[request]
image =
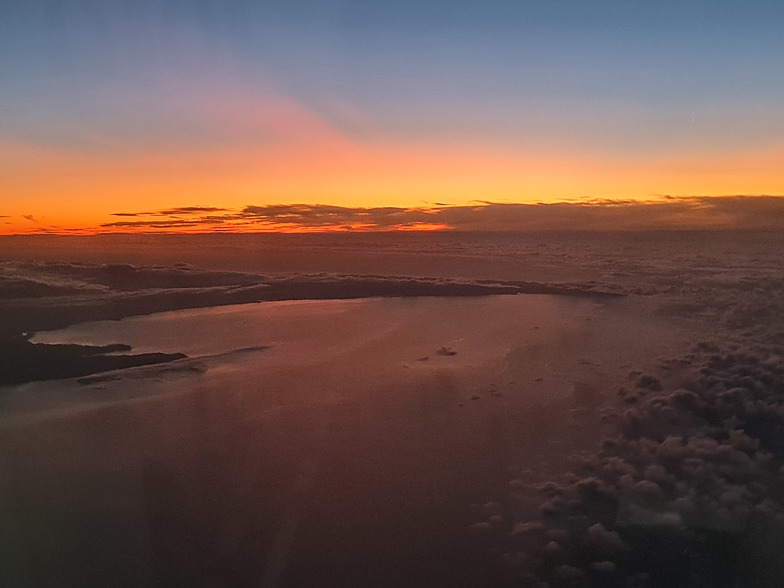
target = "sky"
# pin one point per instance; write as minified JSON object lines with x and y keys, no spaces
{"x":208,"y":109}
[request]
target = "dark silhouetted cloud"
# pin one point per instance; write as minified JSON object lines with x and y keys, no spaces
{"x":320,"y":215}
{"x":665,"y":213}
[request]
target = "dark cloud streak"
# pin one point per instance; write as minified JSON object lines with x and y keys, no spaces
{"x":178,"y":211}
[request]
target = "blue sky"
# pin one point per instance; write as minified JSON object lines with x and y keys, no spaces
{"x":581,"y":71}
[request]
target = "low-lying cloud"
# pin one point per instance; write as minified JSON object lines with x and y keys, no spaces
{"x":666,"y":213}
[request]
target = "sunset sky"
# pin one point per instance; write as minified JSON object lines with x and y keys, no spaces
{"x":129,"y":115}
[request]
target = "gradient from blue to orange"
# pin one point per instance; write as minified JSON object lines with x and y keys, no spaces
{"x":133,"y":105}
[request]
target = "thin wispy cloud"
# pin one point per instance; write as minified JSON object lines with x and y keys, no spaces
{"x":179,"y":211}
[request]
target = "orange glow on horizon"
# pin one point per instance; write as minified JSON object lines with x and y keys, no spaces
{"x":78,"y":192}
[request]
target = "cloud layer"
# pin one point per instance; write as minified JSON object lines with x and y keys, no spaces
{"x":48,"y":295}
